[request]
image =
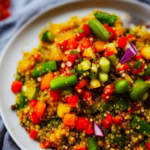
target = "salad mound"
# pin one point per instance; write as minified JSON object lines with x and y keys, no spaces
{"x":86,"y":86}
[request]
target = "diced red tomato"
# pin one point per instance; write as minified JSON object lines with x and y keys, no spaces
{"x":40,"y":108}
{"x":106,"y":123}
{"x":117,"y":120}
{"x":83,"y":148}
{"x":56,"y":95}
{"x":81,"y":84}
{"x":86,"y":29}
{"x":123,"y":67}
{"x":16,"y":86}
{"x":72,"y":44}
{"x":131,"y":37}
{"x":82,"y":123}
{"x":109,"y":89}
{"x":148,"y":146}
{"x":33,"y":102}
{"x":85,"y":44}
{"x":64,"y":45}
{"x":108,"y":52}
{"x":33,"y":133}
{"x":79,"y":36}
{"x":89,"y":130}
{"x":72,"y":57}
{"x":87,"y":95}
{"x":35,"y":119}
{"x":122,"y":42}
{"x":112,"y":32}
{"x":72,"y":100}
{"x":106,"y":97}
{"x":109,"y":117}
{"x":80,"y":91}
{"x":138,"y":56}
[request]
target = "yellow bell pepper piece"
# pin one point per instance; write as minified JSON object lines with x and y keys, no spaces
{"x":95,"y":83}
{"x":62,"y":109}
{"x":145,"y":51}
{"x":128,"y":78}
{"x":88,"y":53}
{"x":112,"y":47}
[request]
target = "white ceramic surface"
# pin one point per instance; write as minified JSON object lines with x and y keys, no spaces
{"x":27,"y":38}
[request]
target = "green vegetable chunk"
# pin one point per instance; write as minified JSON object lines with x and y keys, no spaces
{"x":30,"y":93}
{"x":98,"y":29}
{"x":105,"y":18}
{"x":21,"y":100}
{"x":103,"y":76}
{"x":121,"y":86}
{"x":137,"y":65}
{"x":147,"y":71}
{"x":44,"y":68}
{"x":104,"y":64}
{"x":116,"y":139}
{"x":86,"y":65}
{"x":66,"y":91}
{"x":79,"y":69}
{"x":92,"y":145}
{"x":47,"y":36}
{"x":63,"y":82}
{"x":141,"y":126}
{"x":139,"y":88}
{"x":93,"y":71}
{"x":113,"y":59}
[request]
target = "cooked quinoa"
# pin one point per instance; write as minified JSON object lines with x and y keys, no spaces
{"x":86,"y":86}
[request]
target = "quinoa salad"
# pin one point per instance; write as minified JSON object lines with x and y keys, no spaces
{"x":86,"y":85}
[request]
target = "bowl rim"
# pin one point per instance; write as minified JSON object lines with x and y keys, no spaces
{"x":22,"y":27}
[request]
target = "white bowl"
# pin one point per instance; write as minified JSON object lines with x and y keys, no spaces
{"x":27,"y":38}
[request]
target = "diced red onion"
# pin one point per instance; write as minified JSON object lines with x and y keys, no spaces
{"x":130,"y":52}
{"x":98,"y":131}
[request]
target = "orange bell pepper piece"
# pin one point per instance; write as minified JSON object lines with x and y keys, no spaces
{"x":39,"y":109}
{"x":69,"y":119}
{"x":64,"y":57}
{"x":99,"y":46}
{"x":46,"y":80}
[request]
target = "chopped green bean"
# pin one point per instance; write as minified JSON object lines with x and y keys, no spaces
{"x":63,"y":82}
{"x":98,"y":29}
{"x":44,"y":68}
{"x":47,"y":36}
